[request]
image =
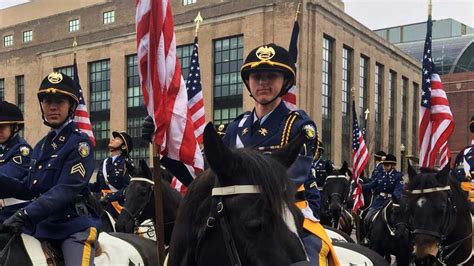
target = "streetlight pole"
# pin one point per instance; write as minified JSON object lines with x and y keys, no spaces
{"x":402,"y":152}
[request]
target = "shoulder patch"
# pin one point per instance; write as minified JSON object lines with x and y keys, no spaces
{"x":24,"y":150}
{"x":84,"y":149}
{"x":309,"y":131}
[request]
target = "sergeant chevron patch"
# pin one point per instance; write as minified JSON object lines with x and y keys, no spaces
{"x":78,"y":168}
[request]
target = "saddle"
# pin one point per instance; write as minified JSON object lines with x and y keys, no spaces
{"x":112,"y":251}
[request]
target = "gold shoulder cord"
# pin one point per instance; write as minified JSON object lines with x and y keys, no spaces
{"x":287,"y":130}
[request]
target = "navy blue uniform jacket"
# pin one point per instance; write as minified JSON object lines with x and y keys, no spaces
{"x":58,"y":177}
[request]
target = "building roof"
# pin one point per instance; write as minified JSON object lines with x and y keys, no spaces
{"x":451,"y":55}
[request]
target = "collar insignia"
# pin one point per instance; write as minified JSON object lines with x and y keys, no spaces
{"x":263,"y":131}
{"x":245,"y":130}
{"x":62,"y":138}
{"x":55,"y":146}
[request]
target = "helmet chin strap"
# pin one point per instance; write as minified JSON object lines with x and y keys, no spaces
{"x":69,"y":116}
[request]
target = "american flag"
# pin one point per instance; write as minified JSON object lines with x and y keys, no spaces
{"x":360,"y":157}
{"x":81,"y":115}
{"x":436,"y":119}
{"x":163,"y":86}
{"x":290,"y":97}
{"x":195,"y":99}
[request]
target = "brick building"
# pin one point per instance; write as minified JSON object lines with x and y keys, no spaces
{"x":336,"y":53}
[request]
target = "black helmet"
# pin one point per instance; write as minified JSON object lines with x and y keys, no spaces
{"x":471,"y":125}
{"x":390,"y":158}
{"x":380,"y":155}
{"x":59,"y":83}
{"x":127,"y":146}
{"x":270,"y":57}
{"x":10,"y":114}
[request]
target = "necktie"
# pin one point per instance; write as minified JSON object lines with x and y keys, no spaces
{"x":255,"y":126}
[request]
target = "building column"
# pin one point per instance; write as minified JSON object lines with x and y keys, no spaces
{"x":118,"y":91}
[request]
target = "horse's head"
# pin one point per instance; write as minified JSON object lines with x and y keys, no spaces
{"x":398,"y":218}
{"x":336,"y":188}
{"x":252,"y":217}
{"x":137,"y":196}
{"x":430,"y":207}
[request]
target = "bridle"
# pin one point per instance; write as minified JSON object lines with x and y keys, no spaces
{"x":445,"y":252}
{"x":219,"y":217}
{"x":134,"y":216}
{"x":392,"y":228}
{"x":342,"y":197}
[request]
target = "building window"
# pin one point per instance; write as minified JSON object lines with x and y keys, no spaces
{"x":184,"y":53}
{"x":20,"y":92}
{"x":404,"y":96}
{"x":108,"y":17}
{"x":74,"y":25}
{"x":414,"y":129}
{"x":67,"y":70}
{"x":2,"y":90}
{"x":228,"y":57}
{"x":8,"y":40}
{"x":188,"y":2}
{"x":363,"y":89}
{"x":379,"y":79}
{"x":392,"y":81}
{"x":346,"y":101}
{"x":99,"y":84}
{"x":27,"y":36}
{"x":136,"y":110}
{"x":326,"y":97}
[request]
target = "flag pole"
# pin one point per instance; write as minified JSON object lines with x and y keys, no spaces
{"x":298,"y":11}
{"x":74,"y":46}
{"x":430,"y":8}
{"x":198,"y":20}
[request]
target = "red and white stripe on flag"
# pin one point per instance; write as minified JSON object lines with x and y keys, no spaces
{"x":436,"y":125}
{"x":176,"y":184}
{"x":163,"y":86}
{"x":290,"y":98}
{"x":360,"y":157}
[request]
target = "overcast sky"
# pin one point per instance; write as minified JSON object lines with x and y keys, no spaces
{"x":376,"y":14}
{"x":8,"y":3}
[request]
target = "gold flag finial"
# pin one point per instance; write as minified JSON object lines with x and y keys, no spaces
{"x":74,"y":45}
{"x":430,"y":7}
{"x":298,"y":11}
{"x":198,"y":20}
{"x":367,"y":112}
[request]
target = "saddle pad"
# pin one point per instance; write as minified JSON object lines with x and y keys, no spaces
{"x":115,"y":251}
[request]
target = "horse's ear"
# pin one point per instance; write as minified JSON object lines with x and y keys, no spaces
{"x":288,"y":153}
{"x":329,"y":168}
{"x":217,"y":154}
{"x":144,"y":170}
{"x":443,"y":175}
{"x":344,"y":167}
{"x":411,"y":171}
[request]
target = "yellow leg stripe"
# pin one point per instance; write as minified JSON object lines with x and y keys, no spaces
{"x":323,"y":254}
{"x":86,"y":255}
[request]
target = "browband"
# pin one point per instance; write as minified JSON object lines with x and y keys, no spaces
{"x":429,"y":190}
{"x":234,"y":190}
{"x":338,"y":176}
{"x":142,"y":179}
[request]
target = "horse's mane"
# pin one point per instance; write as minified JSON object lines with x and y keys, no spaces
{"x":249,"y":167}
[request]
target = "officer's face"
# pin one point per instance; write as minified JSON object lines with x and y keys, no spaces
{"x":265,"y":85}
{"x":115,"y":143}
{"x":55,"y":109}
{"x":5,"y":133}
{"x":387,"y":167}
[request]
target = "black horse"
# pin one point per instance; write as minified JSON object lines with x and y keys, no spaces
{"x":333,"y":199}
{"x":140,"y":203}
{"x":390,"y":233}
{"x":240,"y":211}
{"x":440,"y":217}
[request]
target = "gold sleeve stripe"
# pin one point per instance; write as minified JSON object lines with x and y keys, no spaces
{"x":287,"y":130}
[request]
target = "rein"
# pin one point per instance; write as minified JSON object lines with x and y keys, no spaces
{"x":6,"y":248}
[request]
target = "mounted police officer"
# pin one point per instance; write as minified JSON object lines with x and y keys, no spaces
{"x":15,"y":154}
{"x":385,"y":186}
{"x":320,"y":165}
{"x":114,"y":173}
{"x":268,"y":73}
{"x":463,"y":169}
{"x":62,"y":164}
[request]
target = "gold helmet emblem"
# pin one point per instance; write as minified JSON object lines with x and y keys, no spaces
{"x":265,"y":53}
{"x":55,"y":77}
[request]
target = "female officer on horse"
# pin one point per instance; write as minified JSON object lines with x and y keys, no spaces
{"x":14,"y":154}
{"x":61,"y":166}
